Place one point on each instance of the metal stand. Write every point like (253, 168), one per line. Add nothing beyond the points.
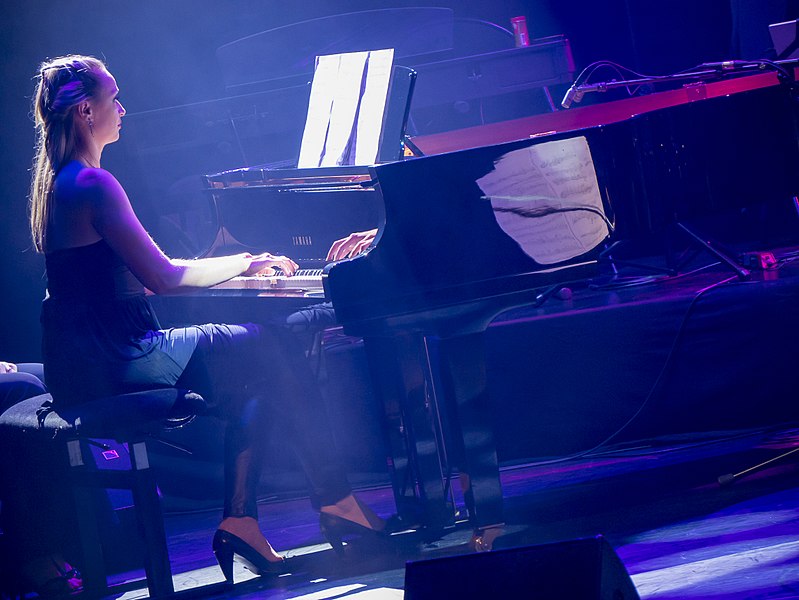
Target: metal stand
(743, 274)
(673, 267)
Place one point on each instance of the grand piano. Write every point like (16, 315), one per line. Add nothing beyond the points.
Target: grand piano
(499, 216)
(679, 157)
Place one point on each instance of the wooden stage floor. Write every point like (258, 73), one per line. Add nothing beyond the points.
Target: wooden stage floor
(678, 533)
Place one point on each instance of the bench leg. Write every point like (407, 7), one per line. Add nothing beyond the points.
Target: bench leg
(93, 567)
(151, 523)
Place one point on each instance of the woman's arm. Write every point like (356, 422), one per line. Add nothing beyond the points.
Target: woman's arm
(114, 219)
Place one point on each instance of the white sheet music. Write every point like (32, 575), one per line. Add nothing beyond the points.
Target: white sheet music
(345, 111)
(373, 105)
(546, 197)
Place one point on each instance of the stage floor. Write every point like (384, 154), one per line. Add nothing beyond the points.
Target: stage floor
(678, 533)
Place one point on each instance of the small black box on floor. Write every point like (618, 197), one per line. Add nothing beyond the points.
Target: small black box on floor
(584, 569)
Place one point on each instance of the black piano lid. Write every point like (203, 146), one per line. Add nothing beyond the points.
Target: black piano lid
(442, 260)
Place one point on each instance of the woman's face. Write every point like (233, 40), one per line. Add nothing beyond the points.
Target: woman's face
(107, 111)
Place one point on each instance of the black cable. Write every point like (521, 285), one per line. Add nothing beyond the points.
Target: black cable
(655, 385)
(543, 211)
(738, 435)
(623, 72)
(730, 67)
(628, 282)
(701, 71)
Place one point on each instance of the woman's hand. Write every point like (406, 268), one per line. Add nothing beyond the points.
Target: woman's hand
(264, 261)
(352, 245)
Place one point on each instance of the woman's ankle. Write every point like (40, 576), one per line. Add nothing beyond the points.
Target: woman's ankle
(351, 509)
(237, 523)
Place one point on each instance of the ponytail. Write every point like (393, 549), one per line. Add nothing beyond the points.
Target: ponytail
(63, 83)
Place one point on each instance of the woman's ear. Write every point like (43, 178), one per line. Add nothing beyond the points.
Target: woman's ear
(85, 110)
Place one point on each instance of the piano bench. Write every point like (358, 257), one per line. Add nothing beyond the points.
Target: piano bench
(130, 419)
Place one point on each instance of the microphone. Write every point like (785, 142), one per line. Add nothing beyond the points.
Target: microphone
(573, 94)
(728, 65)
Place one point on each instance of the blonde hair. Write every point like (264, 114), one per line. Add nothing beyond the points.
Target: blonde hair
(63, 83)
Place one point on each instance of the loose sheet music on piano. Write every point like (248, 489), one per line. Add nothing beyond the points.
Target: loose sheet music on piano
(345, 111)
(547, 198)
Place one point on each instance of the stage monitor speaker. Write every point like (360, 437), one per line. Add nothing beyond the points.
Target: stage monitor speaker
(583, 569)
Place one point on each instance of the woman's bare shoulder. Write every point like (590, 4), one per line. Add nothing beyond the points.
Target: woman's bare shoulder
(77, 184)
(89, 178)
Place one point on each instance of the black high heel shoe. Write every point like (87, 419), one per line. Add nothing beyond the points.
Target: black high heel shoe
(67, 581)
(226, 545)
(336, 529)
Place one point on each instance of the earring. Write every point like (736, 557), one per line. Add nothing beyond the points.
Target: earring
(91, 126)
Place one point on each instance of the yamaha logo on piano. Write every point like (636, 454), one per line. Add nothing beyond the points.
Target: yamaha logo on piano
(301, 240)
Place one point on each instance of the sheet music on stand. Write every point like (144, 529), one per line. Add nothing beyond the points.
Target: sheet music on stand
(345, 112)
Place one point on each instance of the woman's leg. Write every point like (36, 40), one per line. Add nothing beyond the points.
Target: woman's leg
(16, 387)
(249, 373)
(306, 420)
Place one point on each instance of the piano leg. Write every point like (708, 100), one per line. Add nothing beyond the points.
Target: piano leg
(402, 379)
(463, 373)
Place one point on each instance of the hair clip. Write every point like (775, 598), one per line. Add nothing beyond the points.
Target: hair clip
(71, 68)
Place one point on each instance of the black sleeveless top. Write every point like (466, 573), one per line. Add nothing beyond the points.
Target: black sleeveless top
(99, 332)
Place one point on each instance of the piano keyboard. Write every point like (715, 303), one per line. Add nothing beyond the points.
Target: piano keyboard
(304, 280)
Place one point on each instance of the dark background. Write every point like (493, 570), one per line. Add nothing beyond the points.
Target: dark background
(163, 54)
